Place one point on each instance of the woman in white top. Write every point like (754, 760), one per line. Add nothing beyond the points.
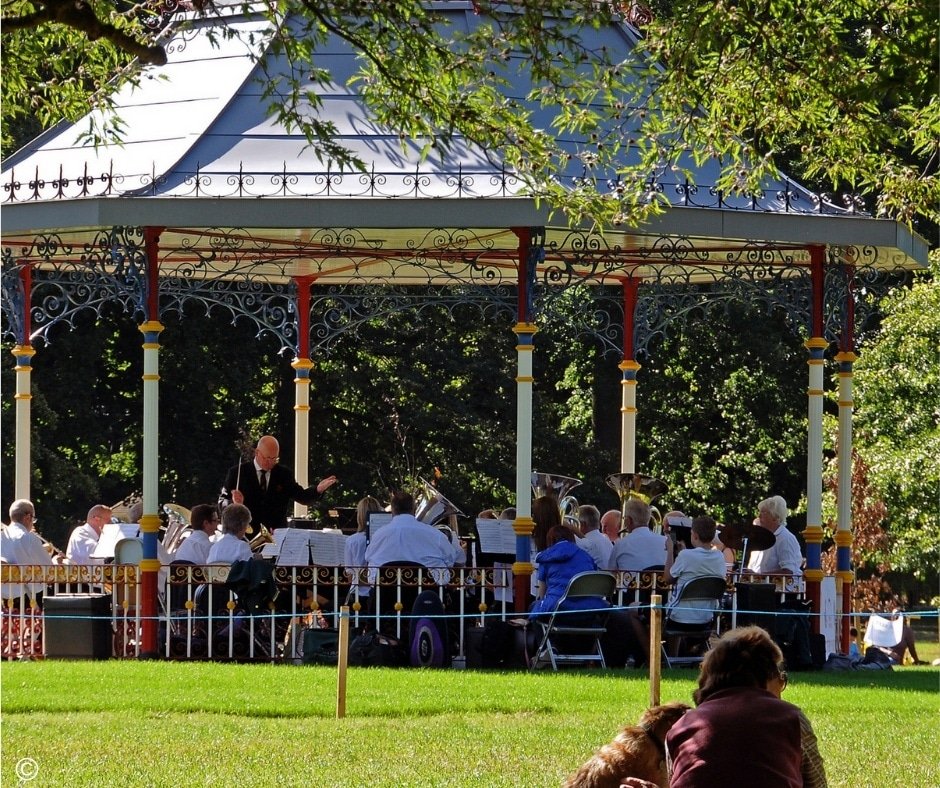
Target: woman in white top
(354, 553)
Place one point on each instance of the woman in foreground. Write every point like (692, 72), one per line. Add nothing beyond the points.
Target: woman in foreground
(741, 732)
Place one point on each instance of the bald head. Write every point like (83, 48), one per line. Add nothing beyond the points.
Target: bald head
(267, 452)
(610, 524)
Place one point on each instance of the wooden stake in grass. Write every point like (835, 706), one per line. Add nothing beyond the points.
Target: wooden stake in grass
(342, 661)
(656, 635)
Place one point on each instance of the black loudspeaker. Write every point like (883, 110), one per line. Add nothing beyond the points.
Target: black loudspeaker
(757, 602)
(77, 626)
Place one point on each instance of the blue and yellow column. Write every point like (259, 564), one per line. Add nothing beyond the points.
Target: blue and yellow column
(816, 345)
(530, 254)
(150, 520)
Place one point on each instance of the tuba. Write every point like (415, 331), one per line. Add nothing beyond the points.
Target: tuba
(636, 485)
(178, 527)
(558, 487)
(433, 507)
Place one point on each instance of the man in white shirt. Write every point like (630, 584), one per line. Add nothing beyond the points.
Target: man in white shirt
(784, 558)
(84, 539)
(610, 525)
(405, 538)
(204, 520)
(20, 546)
(702, 560)
(640, 549)
(232, 546)
(593, 541)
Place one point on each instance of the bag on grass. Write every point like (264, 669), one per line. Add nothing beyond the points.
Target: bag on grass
(372, 649)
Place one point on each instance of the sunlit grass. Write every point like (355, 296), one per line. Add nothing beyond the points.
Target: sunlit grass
(179, 724)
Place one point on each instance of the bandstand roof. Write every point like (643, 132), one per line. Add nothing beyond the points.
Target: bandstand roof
(233, 188)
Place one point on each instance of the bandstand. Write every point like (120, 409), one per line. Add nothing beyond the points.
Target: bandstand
(210, 200)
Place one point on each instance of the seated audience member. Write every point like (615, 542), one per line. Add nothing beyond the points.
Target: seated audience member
(854, 651)
(204, 520)
(741, 732)
(610, 525)
(593, 541)
(557, 564)
(640, 548)
(904, 637)
(407, 539)
(232, 546)
(784, 558)
(354, 552)
(21, 546)
(84, 538)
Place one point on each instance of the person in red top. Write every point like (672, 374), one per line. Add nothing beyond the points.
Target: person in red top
(741, 731)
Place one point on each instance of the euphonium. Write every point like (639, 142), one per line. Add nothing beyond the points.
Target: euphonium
(433, 507)
(636, 485)
(178, 527)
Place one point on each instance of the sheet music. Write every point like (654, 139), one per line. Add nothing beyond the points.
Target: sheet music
(377, 520)
(327, 547)
(496, 536)
(111, 534)
(294, 547)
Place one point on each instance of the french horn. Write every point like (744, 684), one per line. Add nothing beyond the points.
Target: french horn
(433, 507)
(636, 485)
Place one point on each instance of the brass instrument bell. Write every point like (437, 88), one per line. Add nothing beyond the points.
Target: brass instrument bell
(553, 484)
(433, 507)
(635, 485)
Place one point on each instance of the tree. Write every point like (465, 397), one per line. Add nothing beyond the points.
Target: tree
(898, 421)
(843, 89)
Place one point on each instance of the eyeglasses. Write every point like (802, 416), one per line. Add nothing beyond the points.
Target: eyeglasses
(783, 680)
(270, 459)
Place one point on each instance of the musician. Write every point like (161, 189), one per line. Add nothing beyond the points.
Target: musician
(610, 525)
(204, 520)
(406, 538)
(641, 548)
(593, 541)
(232, 546)
(784, 557)
(266, 487)
(20, 545)
(84, 538)
(354, 551)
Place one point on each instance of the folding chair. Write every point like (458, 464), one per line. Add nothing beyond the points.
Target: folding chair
(701, 589)
(570, 629)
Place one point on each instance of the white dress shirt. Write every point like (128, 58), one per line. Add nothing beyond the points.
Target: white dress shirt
(690, 564)
(21, 547)
(596, 544)
(785, 554)
(354, 555)
(195, 548)
(638, 550)
(228, 550)
(82, 544)
(406, 538)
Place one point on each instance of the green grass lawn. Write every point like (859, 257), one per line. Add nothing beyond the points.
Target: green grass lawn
(127, 723)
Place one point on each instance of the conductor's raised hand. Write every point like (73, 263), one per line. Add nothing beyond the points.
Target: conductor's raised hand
(237, 496)
(326, 483)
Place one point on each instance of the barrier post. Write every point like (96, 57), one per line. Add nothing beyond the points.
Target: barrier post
(656, 636)
(342, 661)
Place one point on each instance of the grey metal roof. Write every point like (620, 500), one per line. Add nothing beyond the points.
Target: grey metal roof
(200, 151)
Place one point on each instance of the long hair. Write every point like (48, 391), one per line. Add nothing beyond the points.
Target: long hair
(743, 657)
(547, 515)
(366, 505)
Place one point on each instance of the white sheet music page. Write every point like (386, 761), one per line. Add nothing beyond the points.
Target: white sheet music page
(111, 534)
(496, 536)
(294, 549)
(377, 520)
(327, 547)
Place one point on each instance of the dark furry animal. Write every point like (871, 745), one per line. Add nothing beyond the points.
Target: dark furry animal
(636, 751)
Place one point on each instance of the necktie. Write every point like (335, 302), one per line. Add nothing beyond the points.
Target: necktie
(264, 481)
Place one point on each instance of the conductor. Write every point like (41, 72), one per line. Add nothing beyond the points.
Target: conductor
(266, 487)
